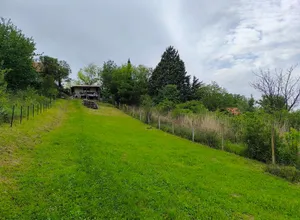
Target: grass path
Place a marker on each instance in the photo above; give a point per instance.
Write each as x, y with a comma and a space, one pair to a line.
104, 164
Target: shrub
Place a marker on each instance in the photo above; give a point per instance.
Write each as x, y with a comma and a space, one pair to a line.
165, 106
193, 106
209, 138
183, 132
287, 172
257, 137
288, 150
180, 112
239, 149
4, 116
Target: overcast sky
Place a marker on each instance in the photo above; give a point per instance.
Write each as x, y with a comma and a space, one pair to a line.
219, 40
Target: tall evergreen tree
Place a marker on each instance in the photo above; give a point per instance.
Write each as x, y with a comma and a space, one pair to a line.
196, 84
170, 71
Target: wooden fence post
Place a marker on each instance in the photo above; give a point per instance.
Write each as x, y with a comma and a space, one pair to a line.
159, 122
12, 116
193, 133
140, 116
21, 115
173, 130
33, 110
28, 112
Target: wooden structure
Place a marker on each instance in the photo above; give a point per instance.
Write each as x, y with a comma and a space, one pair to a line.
86, 92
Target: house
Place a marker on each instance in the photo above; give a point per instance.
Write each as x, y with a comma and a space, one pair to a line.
233, 111
38, 66
85, 92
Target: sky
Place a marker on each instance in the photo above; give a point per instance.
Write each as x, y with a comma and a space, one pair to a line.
219, 40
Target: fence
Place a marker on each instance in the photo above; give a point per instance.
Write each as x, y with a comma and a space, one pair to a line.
208, 128
19, 113
204, 128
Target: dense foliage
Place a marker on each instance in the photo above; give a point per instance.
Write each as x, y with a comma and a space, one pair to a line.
25, 78
16, 54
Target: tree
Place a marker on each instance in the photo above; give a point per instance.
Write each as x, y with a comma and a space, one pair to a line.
106, 77
170, 71
140, 77
170, 93
49, 66
280, 91
63, 72
278, 87
196, 84
251, 103
58, 70
147, 104
16, 52
212, 96
90, 74
125, 84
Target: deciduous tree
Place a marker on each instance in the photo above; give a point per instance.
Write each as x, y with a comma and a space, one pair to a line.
16, 52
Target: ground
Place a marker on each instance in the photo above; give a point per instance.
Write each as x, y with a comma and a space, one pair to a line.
78, 163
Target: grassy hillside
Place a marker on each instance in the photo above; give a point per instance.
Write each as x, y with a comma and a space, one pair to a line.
85, 164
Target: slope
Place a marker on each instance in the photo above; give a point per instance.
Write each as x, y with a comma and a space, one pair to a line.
104, 164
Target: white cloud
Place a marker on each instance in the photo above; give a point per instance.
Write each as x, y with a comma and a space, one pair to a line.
239, 38
220, 40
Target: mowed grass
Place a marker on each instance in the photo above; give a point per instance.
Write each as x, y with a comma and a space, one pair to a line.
102, 164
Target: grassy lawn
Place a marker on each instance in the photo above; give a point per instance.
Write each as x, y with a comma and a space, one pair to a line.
78, 163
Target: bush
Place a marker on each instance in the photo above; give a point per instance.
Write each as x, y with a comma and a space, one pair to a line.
239, 149
288, 150
183, 132
258, 136
193, 106
4, 116
166, 106
209, 138
180, 112
287, 172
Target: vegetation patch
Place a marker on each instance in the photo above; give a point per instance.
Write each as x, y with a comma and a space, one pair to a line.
102, 164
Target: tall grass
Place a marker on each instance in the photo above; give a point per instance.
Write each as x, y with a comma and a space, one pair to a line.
206, 128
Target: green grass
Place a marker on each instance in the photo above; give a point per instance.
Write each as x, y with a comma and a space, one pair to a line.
102, 164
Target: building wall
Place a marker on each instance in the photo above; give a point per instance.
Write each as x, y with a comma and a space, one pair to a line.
79, 90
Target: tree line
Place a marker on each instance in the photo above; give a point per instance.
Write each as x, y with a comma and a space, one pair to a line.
167, 83
268, 127
25, 76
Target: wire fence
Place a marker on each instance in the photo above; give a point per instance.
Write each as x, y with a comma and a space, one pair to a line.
207, 128
223, 133
21, 113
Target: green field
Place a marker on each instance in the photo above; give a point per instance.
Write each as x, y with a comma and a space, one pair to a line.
77, 163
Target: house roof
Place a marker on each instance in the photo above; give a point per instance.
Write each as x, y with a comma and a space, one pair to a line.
85, 86
38, 66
